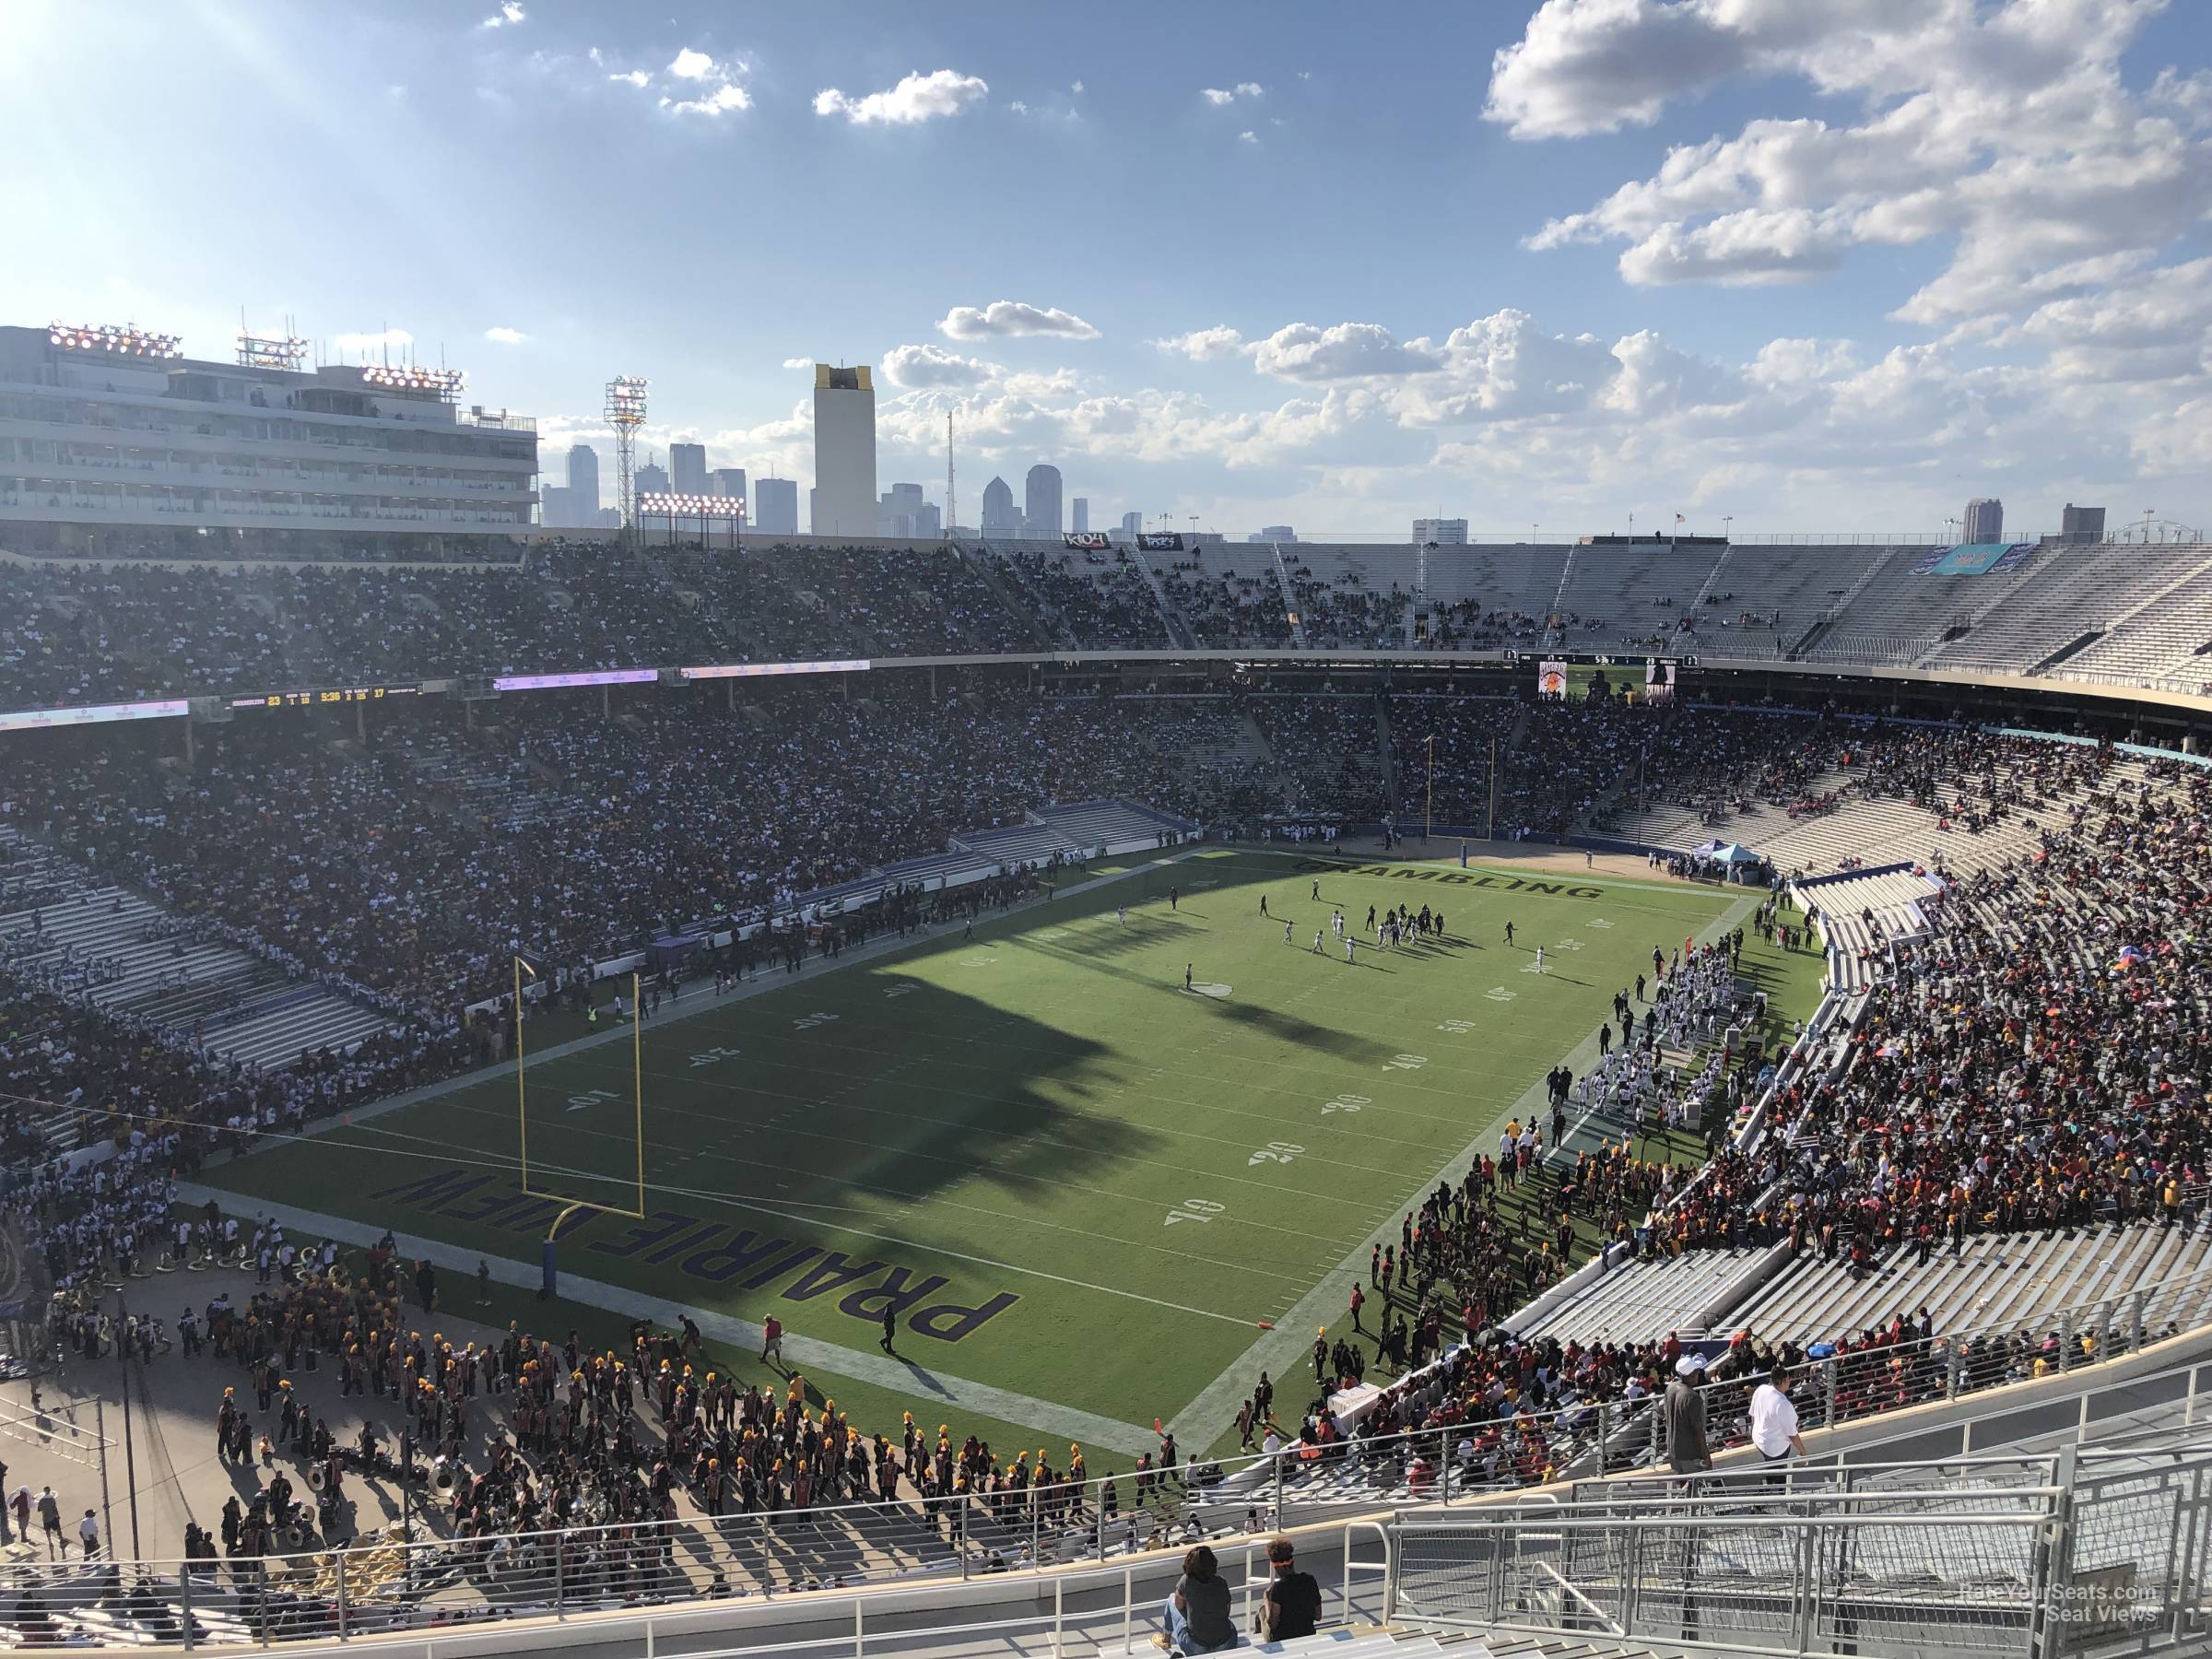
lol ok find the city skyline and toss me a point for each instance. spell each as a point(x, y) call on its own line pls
point(1678, 256)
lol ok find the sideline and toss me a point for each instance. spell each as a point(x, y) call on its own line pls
point(1281, 1351)
point(804, 1353)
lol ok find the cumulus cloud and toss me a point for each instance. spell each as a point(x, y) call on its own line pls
point(916, 99)
point(1219, 96)
point(2004, 131)
point(507, 13)
point(1342, 352)
point(798, 362)
point(925, 365)
point(632, 77)
point(1203, 344)
point(709, 86)
point(1248, 137)
point(1002, 317)
point(505, 336)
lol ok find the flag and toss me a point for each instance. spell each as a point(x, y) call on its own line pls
point(1677, 518)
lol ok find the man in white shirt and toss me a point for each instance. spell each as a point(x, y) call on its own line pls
point(1775, 1421)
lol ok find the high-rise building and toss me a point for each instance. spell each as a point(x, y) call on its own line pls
point(1985, 520)
point(583, 485)
point(902, 513)
point(687, 469)
point(1079, 516)
point(1444, 532)
point(844, 450)
point(1041, 516)
point(727, 481)
point(652, 479)
point(776, 506)
point(2082, 524)
point(556, 505)
point(1133, 524)
point(999, 517)
point(1273, 533)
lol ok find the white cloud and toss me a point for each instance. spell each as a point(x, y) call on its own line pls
point(632, 77)
point(722, 101)
point(915, 366)
point(1076, 89)
point(505, 336)
point(1205, 344)
point(916, 99)
point(507, 13)
point(2002, 130)
point(1217, 95)
point(1011, 317)
point(1248, 137)
point(798, 362)
point(1018, 107)
point(710, 86)
point(392, 339)
point(1343, 351)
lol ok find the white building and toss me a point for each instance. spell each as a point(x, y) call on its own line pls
point(1078, 512)
point(1444, 533)
point(112, 440)
point(844, 450)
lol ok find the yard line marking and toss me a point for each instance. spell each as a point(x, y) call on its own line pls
point(1280, 1351)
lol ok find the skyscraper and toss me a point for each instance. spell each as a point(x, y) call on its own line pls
point(584, 484)
point(687, 469)
point(1444, 532)
point(776, 506)
point(652, 479)
point(727, 481)
point(1040, 517)
point(2082, 524)
point(1985, 520)
point(999, 517)
point(1133, 524)
point(844, 450)
point(901, 513)
point(1079, 516)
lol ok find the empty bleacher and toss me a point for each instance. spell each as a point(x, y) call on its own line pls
point(2071, 592)
point(1630, 596)
point(1996, 1280)
point(2164, 643)
point(71, 932)
point(1646, 1300)
point(1903, 616)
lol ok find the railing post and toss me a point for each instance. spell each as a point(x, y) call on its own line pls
point(1278, 1489)
point(561, 1598)
point(2066, 1339)
point(341, 1595)
point(1036, 1531)
point(1605, 1432)
point(184, 1600)
point(860, 1634)
point(2135, 1320)
point(1059, 1601)
point(960, 1531)
point(1128, 1607)
point(1951, 1365)
point(1099, 1506)
point(1834, 1365)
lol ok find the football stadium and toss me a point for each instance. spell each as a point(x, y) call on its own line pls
point(584, 1067)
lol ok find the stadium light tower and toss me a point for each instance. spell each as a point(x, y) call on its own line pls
point(626, 413)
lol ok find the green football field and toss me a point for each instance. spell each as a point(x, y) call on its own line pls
point(1091, 1196)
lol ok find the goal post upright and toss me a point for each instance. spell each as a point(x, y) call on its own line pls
point(548, 1261)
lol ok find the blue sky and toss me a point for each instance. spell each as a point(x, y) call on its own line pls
point(1805, 266)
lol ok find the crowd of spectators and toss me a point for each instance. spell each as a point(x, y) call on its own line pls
point(1099, 601)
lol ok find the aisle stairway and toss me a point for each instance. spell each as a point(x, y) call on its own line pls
point(66, 930)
